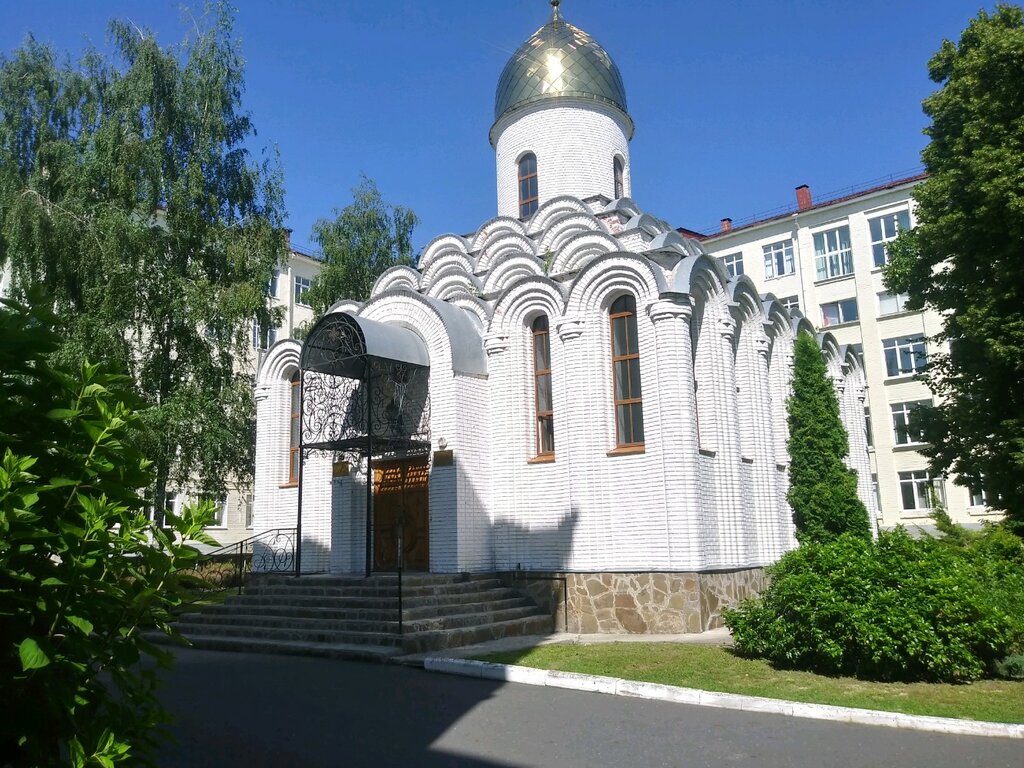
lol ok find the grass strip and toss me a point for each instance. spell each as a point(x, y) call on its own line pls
point(713, 668)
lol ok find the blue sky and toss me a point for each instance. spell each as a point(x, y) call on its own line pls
point(736, 102)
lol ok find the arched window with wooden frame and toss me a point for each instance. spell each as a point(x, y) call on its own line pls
point(295, 412)
point(629, 410)
point(619, 170)
point(528, 196)
point(543, 406)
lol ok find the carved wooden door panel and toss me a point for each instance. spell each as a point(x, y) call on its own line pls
point(401, 514)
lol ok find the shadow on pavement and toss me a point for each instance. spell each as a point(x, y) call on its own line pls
point(253, 710)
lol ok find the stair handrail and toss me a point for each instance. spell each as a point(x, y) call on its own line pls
point(270, 551)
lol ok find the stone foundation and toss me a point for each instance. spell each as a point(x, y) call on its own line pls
point(638, 603)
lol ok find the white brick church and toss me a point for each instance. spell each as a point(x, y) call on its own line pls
point(574, 391)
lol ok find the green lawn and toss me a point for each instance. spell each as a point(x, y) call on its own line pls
point(719, 669)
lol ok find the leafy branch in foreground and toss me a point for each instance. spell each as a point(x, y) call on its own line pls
point(83, 570)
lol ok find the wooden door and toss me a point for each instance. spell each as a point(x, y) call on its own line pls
point(401, 514)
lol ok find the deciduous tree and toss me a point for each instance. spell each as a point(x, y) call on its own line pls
point(966, 257)
point(364, 238)
point(128, 191)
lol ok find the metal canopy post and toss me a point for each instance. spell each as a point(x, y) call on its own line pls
point(369, 467)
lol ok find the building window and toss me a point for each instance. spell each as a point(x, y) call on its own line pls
point(542, 387)
point(904, 433)
point(867, 427)
point(977, 497)
point(248, 510)
point(890, 303)
point(837, 312)
point(790, 303)
point(886, 228)
point(293, 431)
point(618, 168)
point(915, 490)
point(527, 185)
point(272, 287)
point(220, 513)
point(833, 256)
point(629, 412)
point(905, 354)
point(733, 264)
point(778, 259)
point(262, 338)
point(302, 286)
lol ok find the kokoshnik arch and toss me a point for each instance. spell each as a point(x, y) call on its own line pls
point(594, 397)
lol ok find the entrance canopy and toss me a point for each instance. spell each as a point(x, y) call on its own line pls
point(364, 388)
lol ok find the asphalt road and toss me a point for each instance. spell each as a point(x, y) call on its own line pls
point(252, 710)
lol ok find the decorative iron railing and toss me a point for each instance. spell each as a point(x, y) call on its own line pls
point(272, 551)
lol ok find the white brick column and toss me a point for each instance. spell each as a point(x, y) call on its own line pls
point(732, 524)
point(502, 392)
point(677, 414)
point(578, 436)
point(769, 548)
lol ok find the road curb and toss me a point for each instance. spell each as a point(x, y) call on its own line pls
point(656, 691)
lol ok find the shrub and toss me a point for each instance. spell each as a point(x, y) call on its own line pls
point(896, 609)
point(82, 568)
point(1012, 667)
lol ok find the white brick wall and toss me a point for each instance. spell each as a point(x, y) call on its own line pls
point(676, 505)
point(575, 144)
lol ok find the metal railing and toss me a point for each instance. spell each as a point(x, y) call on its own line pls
point(272, 551)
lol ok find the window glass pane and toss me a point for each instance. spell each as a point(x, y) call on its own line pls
point(634, 377)
point(623, 431)
point(546, 429)
point(631, 339)
point(619, 344)
point(637, 417)
point(875, 225)
point(891, 365)
point(887, 304)
point(544, 392)
point(907, 492)
point(621, 379)
point(903, 219)
point(830, 314)
point(848, 310)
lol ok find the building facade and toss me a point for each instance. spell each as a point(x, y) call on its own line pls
point(825, 260)
point(575, 392)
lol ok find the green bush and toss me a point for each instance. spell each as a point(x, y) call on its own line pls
point(83, 570)
point(895, 609)
point(1012, 667)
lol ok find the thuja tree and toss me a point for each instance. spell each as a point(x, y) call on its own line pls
point(823, 490)
point(363, 239)
point(964, 259)
point(83, 570)
point(126, 189)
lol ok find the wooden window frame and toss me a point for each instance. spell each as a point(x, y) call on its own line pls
point(527, 202)
point(294, 415)
point(636, 446)
point(538, 373)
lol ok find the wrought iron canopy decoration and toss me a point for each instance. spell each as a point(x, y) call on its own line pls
point(364, 388)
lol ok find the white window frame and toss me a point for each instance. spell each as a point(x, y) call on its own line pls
point(776, 255)
point(220, 521)
point(248, 507)
point(920, 483)
point(833, 253)
point(842, 312)
point(263, 338)
point(901, 345)
point(302, 286)
point(900, 300)
point(733, 263)
point(790, 303)
point(900, 416)
point(879, 253)
point(272, 285)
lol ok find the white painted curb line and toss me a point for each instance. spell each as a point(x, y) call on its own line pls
point(655, 691)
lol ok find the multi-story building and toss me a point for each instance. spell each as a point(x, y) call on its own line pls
point(825, 259)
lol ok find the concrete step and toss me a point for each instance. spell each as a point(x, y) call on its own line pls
point(382, 579)
point(374, 590)
point(352, 624)
point(421, 642)
point(386, 613)
point(345, 602)
point(314, 634)
point(293, 648)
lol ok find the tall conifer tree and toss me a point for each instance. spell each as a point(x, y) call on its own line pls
point(822, 490)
